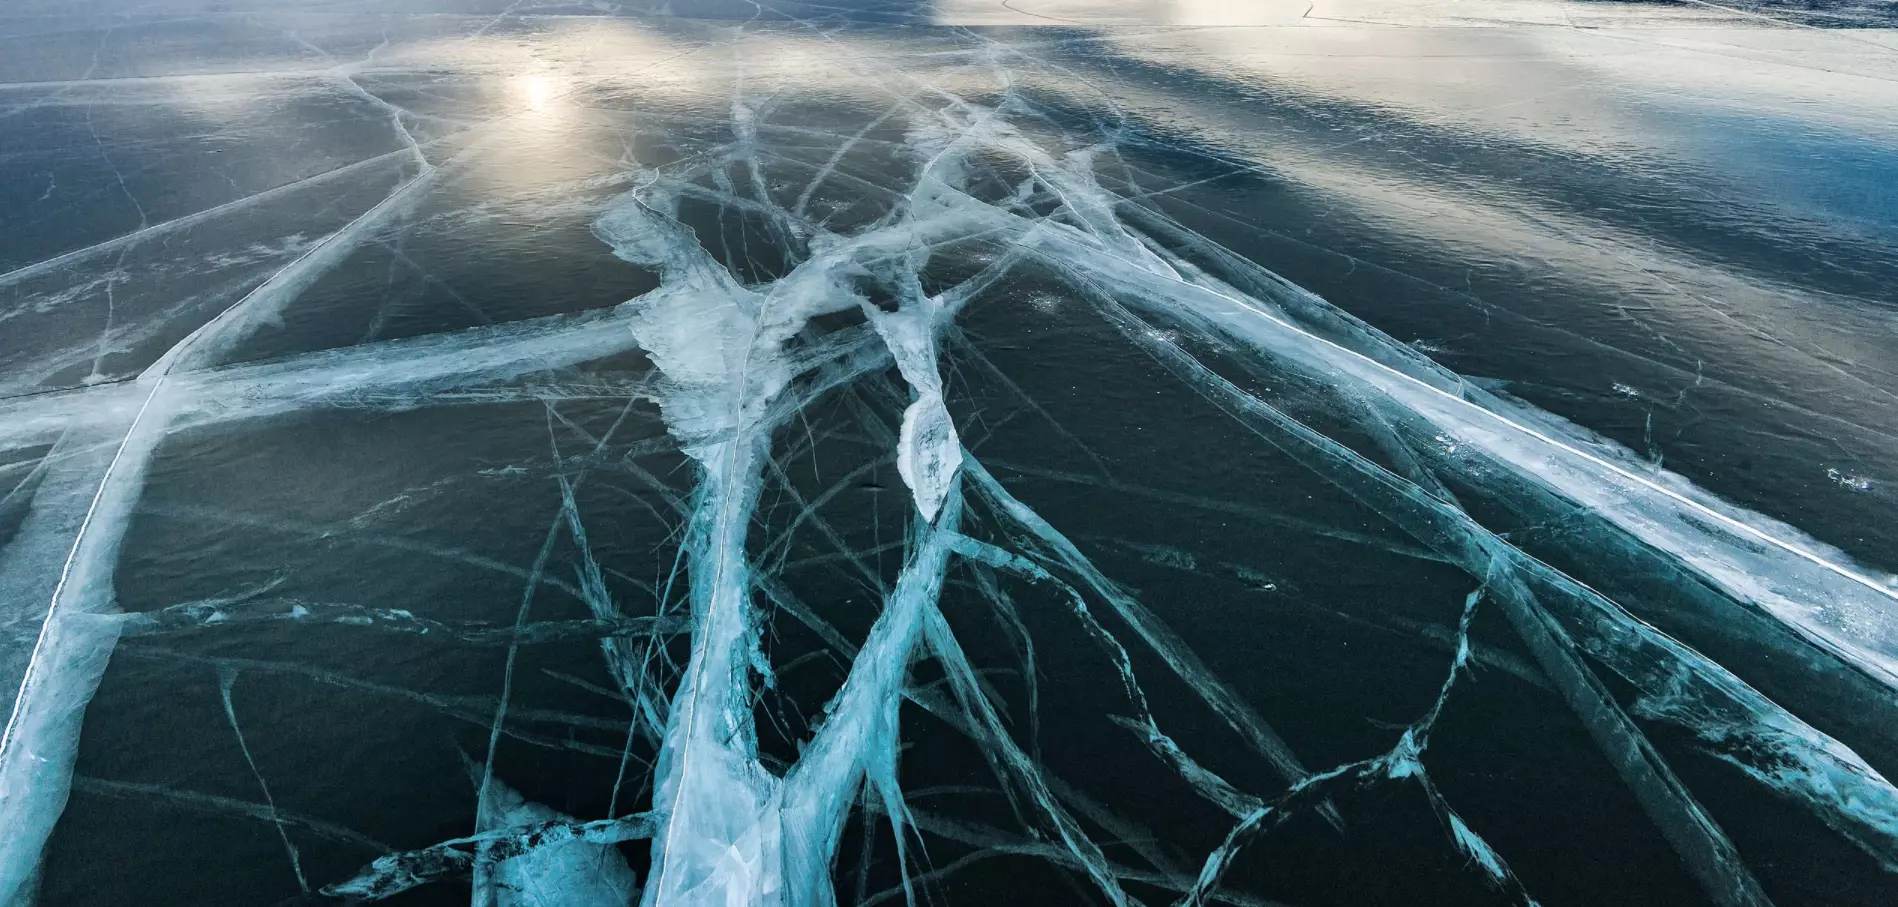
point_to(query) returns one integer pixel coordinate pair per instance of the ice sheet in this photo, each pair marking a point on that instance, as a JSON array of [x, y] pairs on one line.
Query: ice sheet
[[703, 456]]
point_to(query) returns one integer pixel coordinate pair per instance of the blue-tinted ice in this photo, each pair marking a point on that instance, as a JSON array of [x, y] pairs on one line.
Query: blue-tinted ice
[[809, 456]]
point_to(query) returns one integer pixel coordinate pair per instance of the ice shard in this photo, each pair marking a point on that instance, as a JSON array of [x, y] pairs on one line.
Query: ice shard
[[928, 451]]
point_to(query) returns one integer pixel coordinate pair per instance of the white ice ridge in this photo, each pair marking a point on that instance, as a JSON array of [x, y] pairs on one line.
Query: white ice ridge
[[733, 831], [66, 571], [77, 627], [1805, 583], [1118, 266]]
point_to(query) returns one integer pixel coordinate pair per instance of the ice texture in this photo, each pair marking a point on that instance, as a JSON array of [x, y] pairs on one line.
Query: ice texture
[[862, 315]]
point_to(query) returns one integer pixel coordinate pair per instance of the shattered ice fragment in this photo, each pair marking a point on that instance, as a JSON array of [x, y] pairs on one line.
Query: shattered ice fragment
[[928, 451], [547, 871], [1165, 556], [1468, 842], [1846, 480], [1256, 579]]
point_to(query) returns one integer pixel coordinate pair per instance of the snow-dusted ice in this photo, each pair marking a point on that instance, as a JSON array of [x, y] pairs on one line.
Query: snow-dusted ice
[[703, 454]]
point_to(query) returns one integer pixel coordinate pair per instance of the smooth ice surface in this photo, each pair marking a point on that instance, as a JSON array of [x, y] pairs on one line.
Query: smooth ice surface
[[1122, 452]]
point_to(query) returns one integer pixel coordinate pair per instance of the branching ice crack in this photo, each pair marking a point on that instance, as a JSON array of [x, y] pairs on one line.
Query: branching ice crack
[[763, 311], [226, 678]]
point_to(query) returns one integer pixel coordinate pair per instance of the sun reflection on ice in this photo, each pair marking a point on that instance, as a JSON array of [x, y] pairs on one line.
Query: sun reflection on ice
[[537, 91], [539, 140]]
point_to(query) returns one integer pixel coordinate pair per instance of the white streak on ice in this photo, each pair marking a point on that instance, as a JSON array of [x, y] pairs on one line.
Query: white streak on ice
[[75, 637]]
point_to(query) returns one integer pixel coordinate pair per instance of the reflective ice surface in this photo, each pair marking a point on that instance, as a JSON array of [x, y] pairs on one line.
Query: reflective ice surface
[[1057, 451]]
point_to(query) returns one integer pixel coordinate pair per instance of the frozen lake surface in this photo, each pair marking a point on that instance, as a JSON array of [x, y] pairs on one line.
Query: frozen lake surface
[[857, 452]]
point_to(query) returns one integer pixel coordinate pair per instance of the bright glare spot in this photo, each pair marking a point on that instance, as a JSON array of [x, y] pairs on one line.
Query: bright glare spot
[[539, 91]]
